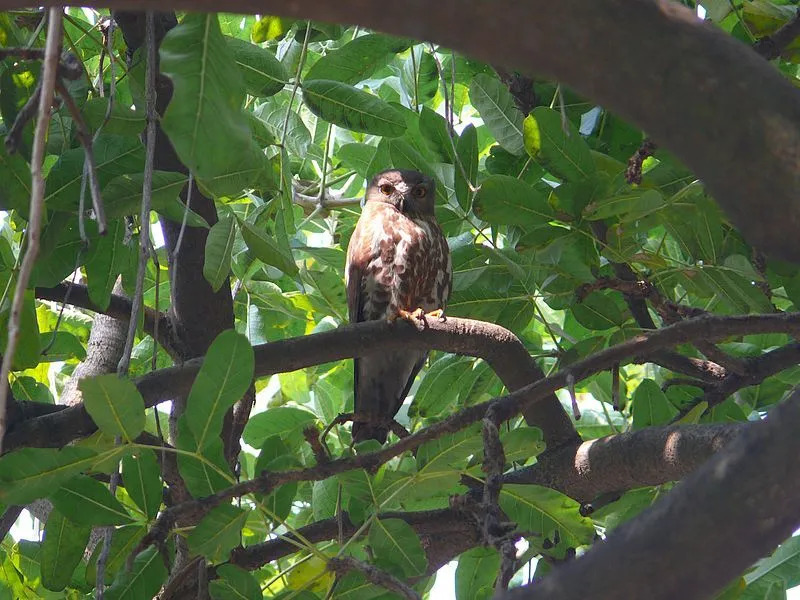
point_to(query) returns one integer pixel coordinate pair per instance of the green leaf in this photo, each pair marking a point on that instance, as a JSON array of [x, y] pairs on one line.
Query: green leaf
[[223, 379], [233, 582], [467, 152], [123, 196], [522, 443], [86, 501], [323, 498], [357, 157], [114, 404], [598, 311], [141, 477], [476, 572], [496, 106], [218, 533], [505, 200], [542, 511], [114, 155], [62, 550], [122, 121], [436, 131], [123, 542], [348, 107], [30, 390], [564, 153], [219, 246], [267, 250], [28, 351], [395, 542], [204, 120], [272, 115], [15, 173], [449, 451], [439, 390], [357, 59], [778, 570], [628, 207], [32, 473], [264, 75], [280, 420], [109, 256], [651, 406], [142, 581], [205, 471]]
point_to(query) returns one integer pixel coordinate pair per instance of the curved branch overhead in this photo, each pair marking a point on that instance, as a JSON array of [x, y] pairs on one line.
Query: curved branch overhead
[[720, 107]]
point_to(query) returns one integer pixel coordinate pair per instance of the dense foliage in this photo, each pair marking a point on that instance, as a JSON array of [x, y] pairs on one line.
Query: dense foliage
[[552, 207]]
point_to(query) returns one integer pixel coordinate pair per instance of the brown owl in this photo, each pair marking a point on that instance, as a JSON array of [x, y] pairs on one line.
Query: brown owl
[[398, 265]]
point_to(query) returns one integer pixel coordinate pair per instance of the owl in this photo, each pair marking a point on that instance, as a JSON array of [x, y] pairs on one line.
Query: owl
[[398, 266]]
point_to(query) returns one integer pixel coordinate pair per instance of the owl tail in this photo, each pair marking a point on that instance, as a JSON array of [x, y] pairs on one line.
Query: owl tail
[[368, 431]]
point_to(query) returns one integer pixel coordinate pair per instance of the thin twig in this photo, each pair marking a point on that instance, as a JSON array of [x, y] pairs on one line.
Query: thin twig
[[48, 79], [185, 219], [90, 168], [147, 190]]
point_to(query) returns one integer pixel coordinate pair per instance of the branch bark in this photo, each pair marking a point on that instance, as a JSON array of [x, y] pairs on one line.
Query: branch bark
[[740, 505]]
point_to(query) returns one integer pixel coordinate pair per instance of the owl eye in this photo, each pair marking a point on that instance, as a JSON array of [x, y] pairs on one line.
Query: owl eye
[[387, 189], [419, 192]]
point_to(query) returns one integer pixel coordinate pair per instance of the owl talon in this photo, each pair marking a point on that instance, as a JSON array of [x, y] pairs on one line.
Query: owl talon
[[437, 314], [416, 317]]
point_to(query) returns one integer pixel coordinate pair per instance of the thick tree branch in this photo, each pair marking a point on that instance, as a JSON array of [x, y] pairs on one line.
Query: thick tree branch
[[740, 505], [629, 57], [461, 336], [626, 461]]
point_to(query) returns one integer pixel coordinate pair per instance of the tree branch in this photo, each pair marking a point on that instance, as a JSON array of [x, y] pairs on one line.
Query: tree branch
[[711, 514]]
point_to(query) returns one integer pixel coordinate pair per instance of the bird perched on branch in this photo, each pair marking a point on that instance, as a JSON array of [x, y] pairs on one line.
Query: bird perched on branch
[[398, 266]]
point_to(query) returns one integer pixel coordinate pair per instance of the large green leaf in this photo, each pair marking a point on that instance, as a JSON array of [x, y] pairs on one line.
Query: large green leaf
[[122, 121], [348, 107], [123, 196], [204, 119], [357, 59], [114, 404], [219, 246], [86, 501], [475, 574], [267, 249], [62, 550], [32, 473], [542, 511], [394, 541], [466, 171], [141, 477], [504, 200], [264, 75], [224, 377], [113, 155], [498, 111], [15, 192], [557, 145], [234, 582], [275, 421], [273, 115], [142, 581], [108, 258], [651, 406], [205, 471], [218, 533]]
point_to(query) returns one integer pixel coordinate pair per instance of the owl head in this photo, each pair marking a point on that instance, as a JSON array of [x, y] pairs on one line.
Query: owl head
[[411, 192]]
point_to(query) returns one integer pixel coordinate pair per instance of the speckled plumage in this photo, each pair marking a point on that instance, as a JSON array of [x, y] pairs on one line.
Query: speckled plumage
[[397, 259]]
